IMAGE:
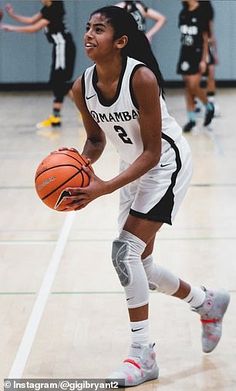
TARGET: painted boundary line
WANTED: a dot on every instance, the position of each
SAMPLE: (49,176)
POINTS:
(25,346)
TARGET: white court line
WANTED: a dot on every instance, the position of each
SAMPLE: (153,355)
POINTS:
(40,302)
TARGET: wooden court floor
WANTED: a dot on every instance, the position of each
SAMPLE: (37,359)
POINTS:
(62,310)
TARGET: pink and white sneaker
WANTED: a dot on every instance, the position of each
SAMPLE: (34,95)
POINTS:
(212,312)
(139,367)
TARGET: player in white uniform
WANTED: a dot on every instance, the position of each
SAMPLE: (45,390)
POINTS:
(121,98)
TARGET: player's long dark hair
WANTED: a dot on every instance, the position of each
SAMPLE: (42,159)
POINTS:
(138,46)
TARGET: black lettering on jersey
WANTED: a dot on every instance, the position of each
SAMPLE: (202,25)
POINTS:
(103,117)
(95,116)
(118,117)
(121,116)
(111,118)
(134,114)
(127,116)
(122,134)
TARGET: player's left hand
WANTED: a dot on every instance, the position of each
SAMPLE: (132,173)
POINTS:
(79,197)
(202,67)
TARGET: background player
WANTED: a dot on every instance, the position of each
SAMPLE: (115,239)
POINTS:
(212,59)
(192,62)
(51,19)
(141,13)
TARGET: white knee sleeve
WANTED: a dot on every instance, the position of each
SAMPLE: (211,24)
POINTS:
(159,278)
(126,258)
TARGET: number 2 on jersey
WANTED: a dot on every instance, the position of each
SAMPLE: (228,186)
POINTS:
(123,135)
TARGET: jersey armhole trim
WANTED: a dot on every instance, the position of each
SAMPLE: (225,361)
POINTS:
(134,101)
(83,87)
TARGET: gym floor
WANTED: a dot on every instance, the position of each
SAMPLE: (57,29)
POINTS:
(62,310)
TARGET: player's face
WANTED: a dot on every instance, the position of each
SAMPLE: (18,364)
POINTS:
(99,38)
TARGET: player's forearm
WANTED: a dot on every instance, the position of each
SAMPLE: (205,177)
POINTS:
(93,148)
(205,48)
(21,18)
(141,165)
(156,27)
(20,29)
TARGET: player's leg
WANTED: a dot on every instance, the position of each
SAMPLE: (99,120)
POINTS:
(190,104)
(62,68)
(140,365)
(194,90)
(209,304)
(211,89)
(57,77)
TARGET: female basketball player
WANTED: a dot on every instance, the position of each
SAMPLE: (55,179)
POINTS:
(51,18)
(121,97)
(192,62)
(141,13)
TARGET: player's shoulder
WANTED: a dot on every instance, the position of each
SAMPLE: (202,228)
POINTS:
(78,82)
(143,75)
(142,6)
(78,86)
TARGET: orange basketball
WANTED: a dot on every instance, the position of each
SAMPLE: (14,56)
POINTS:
(59,170)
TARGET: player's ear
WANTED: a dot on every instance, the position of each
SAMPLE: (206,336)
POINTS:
(122,42)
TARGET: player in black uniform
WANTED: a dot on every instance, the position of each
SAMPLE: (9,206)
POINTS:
(141,12)
(51,19)
(192,62)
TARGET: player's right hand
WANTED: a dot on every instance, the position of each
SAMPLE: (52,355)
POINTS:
(9,9)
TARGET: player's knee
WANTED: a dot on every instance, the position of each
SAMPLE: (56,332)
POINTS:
(126,258)
(120,250)
(126,253)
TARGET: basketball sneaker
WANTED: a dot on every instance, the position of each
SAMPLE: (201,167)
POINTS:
(189,126)
(139,367)
(197,106)
(50,121)
(210,110)
(212,312)
(217,110)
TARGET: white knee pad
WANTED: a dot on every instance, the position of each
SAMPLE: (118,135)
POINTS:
(126,258)
(159,278)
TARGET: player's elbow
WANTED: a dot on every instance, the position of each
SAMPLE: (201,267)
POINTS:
(153,157)
(163,20)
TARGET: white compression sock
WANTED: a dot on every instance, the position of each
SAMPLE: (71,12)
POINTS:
(140,332)
(195,297)
(162,280)
(159,278)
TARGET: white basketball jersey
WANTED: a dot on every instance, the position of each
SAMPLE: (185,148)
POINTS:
(119,118)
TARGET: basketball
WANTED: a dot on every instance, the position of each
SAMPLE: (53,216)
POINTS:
(56,172)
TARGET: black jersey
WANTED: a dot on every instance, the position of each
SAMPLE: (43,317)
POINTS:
(55,14)
(131,7)
(208,11)
(192,25)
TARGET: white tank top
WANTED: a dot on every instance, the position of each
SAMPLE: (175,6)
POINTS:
(119,118)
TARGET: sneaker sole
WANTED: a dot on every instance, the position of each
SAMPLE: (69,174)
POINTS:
(122,383)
